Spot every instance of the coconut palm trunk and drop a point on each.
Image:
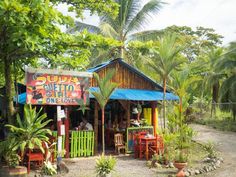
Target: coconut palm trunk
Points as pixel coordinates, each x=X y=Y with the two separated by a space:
x=180 y=111
x=164 y=103
x=103 y=132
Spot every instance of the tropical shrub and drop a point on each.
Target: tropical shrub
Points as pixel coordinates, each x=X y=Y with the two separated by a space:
x=210 y=148
x=27 y=133
x=104 y=165
x=30 y=131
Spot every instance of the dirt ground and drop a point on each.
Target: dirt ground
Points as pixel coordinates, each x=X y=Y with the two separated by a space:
x=225 y=144
x=127 y=166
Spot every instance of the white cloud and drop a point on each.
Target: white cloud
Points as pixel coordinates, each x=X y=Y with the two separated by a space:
x=217 y=14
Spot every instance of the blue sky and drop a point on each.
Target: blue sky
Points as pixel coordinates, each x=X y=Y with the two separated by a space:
x=217 y=14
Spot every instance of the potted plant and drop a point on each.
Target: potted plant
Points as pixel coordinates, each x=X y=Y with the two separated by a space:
x=105 y=165
x=180 y=162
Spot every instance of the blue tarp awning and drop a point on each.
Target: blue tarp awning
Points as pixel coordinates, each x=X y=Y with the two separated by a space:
x=125 y=94
x=137 y=94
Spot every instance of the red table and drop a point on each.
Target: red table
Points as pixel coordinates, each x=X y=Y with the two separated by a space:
x=147 y=141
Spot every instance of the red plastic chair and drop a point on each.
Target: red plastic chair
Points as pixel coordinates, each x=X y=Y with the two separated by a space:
x=34 y=155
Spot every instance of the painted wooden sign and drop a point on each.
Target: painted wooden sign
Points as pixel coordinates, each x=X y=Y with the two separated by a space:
x=56 y=87
x=132 y=132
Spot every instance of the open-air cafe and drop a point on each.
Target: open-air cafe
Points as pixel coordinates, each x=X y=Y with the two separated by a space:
x=131 y=115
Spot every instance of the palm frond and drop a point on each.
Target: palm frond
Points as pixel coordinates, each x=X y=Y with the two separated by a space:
x=106 y=87
x=143 y=16
x=108 y=31
x=148 y=35
x=80 y=26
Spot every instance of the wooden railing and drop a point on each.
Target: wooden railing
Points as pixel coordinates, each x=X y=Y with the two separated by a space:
x=82 y=143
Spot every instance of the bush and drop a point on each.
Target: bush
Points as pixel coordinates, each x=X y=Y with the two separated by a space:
x=104 y=165
x=210 y=148
x=181 y=157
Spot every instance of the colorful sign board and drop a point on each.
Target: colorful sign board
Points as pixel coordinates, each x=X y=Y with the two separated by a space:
x=132 y=132
x=56 y=87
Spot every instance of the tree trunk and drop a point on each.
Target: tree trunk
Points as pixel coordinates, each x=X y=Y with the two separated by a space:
x=95 y=127
x=103 y=134
x=122 y=52
x=164 y=102
x=8 y=90
x=180 y=111
x=215 y=97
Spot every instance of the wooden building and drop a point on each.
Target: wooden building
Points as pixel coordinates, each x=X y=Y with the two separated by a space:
x=134 y=89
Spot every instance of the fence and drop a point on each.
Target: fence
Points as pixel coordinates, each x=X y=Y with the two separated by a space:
x=81 y=143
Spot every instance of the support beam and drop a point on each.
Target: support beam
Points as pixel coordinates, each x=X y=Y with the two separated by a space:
x=67 y=135
x=154 y=118
x=128 y=114
x=126 y=106
x=95 y=127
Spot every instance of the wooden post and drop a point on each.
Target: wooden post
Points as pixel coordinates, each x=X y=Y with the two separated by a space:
x=128 y=114
x=154 y=118
x=95 y=127
x=67 y=136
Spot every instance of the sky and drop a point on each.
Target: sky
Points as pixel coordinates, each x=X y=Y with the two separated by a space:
x=217 y=14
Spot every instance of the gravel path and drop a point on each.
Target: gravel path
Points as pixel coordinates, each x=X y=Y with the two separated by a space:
x=126 y=166
x=225 y=144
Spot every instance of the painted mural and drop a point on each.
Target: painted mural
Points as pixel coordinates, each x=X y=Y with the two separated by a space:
x=56 y=89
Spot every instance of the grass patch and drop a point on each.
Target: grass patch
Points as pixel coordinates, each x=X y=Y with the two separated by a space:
x=226 y=124
x=197 y=154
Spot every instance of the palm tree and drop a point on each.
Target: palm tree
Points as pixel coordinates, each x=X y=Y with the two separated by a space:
x=106 y=87
x=166 y=58
x=181 y=81
x=228 y=87
x=212 y=76
x=132 y=16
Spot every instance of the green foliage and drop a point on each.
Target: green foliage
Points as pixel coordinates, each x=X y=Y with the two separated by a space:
x=48 y=168
x=106 y=87
x=100 y=6
x=105 y=165
x=199 y=41
x=181 y=156
x=227 y=91
x=8 y=152
x=224 y=123
x=131 y=17
x=210 y=148
x=30 y=131
x=30 y=30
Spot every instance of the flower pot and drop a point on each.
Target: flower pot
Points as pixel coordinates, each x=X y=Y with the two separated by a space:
x=180 y=166
x=18 y=171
